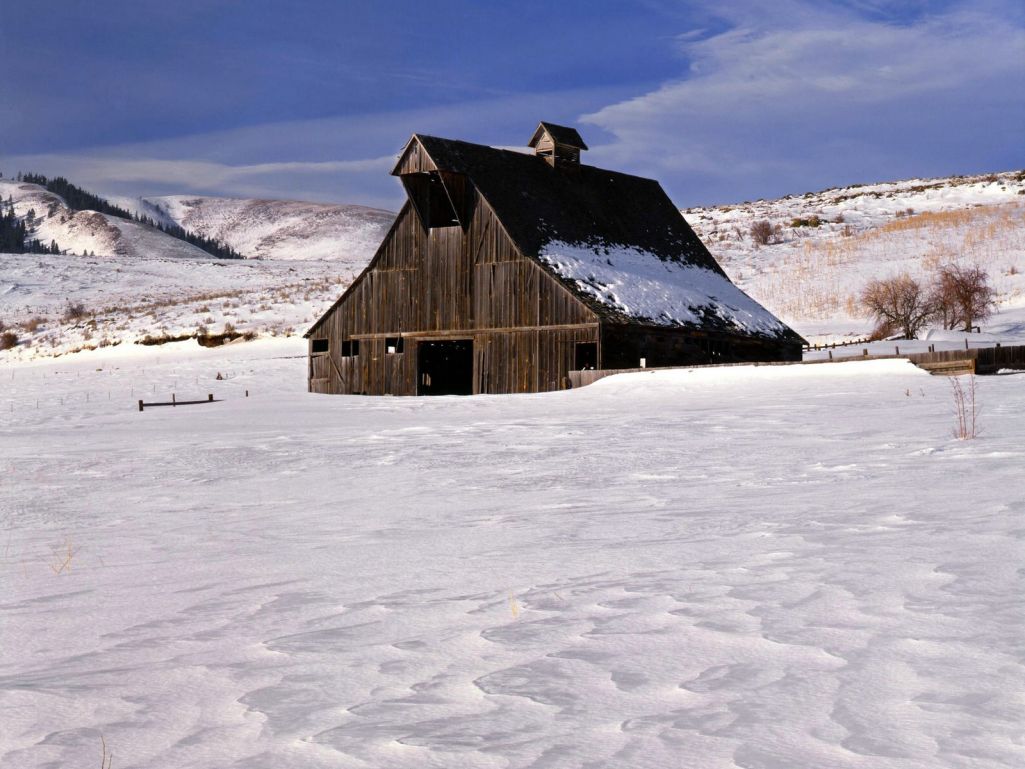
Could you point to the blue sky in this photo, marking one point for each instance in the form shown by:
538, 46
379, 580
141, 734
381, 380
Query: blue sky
721, 102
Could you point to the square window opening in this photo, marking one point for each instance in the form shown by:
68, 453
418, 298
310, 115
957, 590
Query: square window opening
319, 345
393, 345
350, 348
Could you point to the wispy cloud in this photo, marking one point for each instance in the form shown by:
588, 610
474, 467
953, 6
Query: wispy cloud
816, 94
341, 159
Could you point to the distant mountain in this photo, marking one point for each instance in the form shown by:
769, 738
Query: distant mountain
279, 229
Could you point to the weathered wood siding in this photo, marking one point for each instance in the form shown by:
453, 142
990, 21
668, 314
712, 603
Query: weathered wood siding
459, 283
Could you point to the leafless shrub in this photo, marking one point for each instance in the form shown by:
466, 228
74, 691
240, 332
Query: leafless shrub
75, 311
229, 328
762, 232
8, 340
33, 324
809, 221
899, 303
962, 295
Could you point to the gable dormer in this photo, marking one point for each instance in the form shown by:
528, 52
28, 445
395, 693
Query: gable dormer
441, 198
557, 144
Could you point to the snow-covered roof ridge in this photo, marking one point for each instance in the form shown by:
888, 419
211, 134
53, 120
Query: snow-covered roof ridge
642, 286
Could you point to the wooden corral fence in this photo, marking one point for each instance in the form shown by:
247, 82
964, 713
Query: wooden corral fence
980, 360
175, 402
834, 345
976, 360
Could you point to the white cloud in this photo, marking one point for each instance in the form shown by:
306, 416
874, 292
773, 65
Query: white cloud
776, 100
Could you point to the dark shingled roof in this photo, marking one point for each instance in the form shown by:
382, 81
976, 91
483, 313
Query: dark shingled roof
538, 203
560, 134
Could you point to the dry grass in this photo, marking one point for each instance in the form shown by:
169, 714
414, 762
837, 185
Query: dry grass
60, 561
821, 277
965, 411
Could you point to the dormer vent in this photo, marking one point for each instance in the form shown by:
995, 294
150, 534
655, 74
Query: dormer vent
557, 144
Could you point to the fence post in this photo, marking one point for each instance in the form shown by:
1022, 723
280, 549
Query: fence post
831, 355
966, 343
172, 400
140, 405
864, 351
210, 397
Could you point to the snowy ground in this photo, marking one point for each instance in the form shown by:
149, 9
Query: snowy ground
772, 567
128, 298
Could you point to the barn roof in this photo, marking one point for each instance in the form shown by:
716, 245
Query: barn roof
615, 239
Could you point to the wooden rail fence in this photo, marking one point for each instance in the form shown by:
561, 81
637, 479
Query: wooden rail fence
175, 402
977, 360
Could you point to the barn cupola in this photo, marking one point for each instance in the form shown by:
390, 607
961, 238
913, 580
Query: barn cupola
557, 144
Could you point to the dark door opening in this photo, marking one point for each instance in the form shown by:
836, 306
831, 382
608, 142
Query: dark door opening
444, 368
586, 355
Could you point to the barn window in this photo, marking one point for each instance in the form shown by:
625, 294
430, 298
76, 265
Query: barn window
319, 345
439, 197
350, 348
586, 355
393, 345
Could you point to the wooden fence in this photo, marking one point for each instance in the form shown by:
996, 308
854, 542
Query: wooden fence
979, 360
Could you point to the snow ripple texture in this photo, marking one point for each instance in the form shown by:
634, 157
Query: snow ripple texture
743, 567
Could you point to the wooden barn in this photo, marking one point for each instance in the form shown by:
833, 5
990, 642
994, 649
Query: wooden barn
506, 270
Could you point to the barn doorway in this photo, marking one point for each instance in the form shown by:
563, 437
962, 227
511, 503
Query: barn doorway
444, 368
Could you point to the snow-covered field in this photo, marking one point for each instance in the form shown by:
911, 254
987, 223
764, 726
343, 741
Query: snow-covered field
759, 567
128, 298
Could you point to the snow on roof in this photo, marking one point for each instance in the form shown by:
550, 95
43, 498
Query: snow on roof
643, 286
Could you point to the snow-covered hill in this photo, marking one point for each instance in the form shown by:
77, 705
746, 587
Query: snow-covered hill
279, 229
138, 282
811, 274
82, 232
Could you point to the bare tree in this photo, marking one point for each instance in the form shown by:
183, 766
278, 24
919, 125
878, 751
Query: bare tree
962, 295
762, 232
899, 303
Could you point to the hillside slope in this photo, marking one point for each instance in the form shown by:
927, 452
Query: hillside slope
811, 275
139, 284
81, 232
280, 229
